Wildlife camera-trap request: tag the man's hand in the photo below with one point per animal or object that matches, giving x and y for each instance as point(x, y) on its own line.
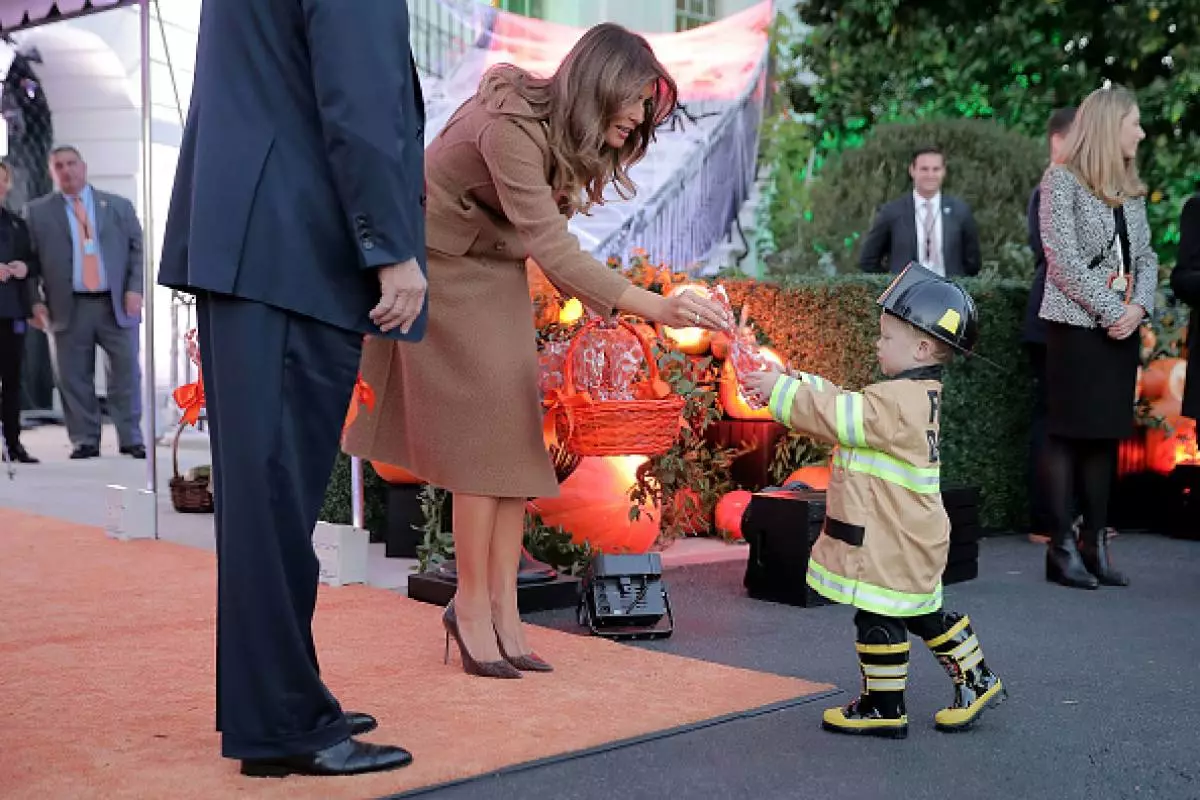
point(5, 273)
point(18, 269)
point(133, 304)
point(402, 293)
point(41, 317)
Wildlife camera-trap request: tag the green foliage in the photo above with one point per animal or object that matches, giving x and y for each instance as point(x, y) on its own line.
point(786, 148)
point(829, 327)
point(992, 169)
point(437, 540)
point(336, 505)
point(555, 547)
point(1012, 61)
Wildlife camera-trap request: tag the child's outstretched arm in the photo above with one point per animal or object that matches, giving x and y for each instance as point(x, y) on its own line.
point(812, 405)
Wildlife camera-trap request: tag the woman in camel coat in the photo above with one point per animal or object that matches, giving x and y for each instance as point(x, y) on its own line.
point(461, 408)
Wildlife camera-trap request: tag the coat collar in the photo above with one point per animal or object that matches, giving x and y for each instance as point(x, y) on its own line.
point(931, 373)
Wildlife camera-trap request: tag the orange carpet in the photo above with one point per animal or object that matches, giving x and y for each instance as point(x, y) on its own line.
point(106, 662)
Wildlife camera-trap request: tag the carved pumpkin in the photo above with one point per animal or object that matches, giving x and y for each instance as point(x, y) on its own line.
point(729, 512)
point(815, 476)
point(693, 341)
point(593, 506)
point(1165, 448)
point(394, 474)
point(1164, 377)
point(732, 399)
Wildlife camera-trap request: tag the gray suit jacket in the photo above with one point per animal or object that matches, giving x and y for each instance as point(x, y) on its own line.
point(120, 235)
point(894, 234)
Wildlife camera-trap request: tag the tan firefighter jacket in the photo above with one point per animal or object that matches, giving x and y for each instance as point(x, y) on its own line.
point(886, 534)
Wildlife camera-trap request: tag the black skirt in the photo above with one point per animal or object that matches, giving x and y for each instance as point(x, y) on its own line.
point(1090, 382)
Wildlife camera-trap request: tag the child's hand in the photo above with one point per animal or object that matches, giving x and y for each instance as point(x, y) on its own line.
point(759, 385)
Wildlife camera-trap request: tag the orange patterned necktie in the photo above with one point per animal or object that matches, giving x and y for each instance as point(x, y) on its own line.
point(91, 259)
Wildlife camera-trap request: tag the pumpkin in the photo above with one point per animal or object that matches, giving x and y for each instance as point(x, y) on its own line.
point(1175, 444)
point(1166, 407)
point(593, 506)
point(1149, 340)
point(1164, 377)
point(393, 474)
point(719, 344)
point(729, 512)
point(732, 399)
point(571, 312)
point(816, 476)
point(693, 341)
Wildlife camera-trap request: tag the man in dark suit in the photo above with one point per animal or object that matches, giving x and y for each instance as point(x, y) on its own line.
point(89, 257)
point(1185, 283)
point(936, 231)
point(297, 221)
point(1033, 336)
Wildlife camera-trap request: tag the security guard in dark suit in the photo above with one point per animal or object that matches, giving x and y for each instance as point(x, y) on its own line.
point(297, 221)
point(16, 256)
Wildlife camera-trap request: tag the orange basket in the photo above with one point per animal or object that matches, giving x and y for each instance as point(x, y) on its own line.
point(589, 427)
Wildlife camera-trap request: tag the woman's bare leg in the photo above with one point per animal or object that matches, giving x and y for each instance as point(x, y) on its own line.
point(504, 560)
point(474, 521)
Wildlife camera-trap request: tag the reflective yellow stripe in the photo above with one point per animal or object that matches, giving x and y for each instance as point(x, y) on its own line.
point(961, 652)
point(782, 397)
point(885, 670)
point(972, 660)
point(890, 685)
point(869, 597)
point(882, 649)
point(920, 480)
point(937, 641)
point(849, 420)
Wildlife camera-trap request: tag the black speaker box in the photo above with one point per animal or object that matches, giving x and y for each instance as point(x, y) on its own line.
point(780, 527)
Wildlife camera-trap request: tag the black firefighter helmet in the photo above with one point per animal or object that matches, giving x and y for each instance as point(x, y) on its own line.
point(933, 304)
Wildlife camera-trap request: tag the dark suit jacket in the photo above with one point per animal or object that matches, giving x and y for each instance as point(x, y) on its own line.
point(894, 234)
point(16, 296)
point(1185, 282)
point(302, 164)
point(1034, 329)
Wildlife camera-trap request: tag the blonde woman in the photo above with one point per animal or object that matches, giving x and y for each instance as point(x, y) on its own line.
point(1101, 278)
point(461, 408)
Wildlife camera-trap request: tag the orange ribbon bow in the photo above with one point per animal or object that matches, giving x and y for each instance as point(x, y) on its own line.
point(190, 399)
point(363, 395)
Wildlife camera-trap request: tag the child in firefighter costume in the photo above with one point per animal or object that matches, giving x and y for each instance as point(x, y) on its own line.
point(886, 534)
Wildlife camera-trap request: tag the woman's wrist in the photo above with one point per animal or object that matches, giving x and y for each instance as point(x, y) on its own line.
point(643, 303)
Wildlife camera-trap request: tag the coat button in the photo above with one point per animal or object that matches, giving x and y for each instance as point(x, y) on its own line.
point(501, 246)
point(367, 241)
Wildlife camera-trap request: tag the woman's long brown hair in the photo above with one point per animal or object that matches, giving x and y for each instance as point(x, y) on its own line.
point(607, 69)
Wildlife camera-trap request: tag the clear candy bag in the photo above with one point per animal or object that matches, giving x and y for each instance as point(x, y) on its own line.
point(744, 353)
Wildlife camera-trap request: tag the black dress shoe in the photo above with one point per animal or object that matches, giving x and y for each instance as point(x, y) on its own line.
point(85, 451)
point(360, 723)
point(348, 757)
point(19, 454)
point(135, 450)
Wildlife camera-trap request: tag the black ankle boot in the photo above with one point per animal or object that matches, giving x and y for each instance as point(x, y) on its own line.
point(1093, 549)
point(1064, 564)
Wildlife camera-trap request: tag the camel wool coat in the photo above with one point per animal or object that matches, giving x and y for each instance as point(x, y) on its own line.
point(461, 409)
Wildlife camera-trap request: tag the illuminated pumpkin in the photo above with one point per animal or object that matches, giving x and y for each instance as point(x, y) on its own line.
point(815, 476)
point(1165, 448)
point(693, 341)
point(593, 506)
point(687, 512)
point(729, 512)
point(393, 474)
point(1164, 377)
point(1166, 407)
point(571, 312)
point(732, 399)
point(720, 345)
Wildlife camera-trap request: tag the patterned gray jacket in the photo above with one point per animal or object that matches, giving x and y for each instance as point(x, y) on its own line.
point(1076, 227)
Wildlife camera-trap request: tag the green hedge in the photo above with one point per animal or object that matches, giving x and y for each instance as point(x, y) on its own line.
point(829, 326)
point(991, 168)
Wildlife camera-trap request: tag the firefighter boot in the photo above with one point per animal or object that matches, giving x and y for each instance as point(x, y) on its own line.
point(975, 686)
point(879, 710)
point(1093, 548)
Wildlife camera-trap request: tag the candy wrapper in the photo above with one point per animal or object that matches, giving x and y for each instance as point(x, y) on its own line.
point(744, 352)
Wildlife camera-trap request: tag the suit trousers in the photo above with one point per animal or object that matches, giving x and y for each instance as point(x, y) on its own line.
point(93, 323)
point(277, 387)
point(12, 348)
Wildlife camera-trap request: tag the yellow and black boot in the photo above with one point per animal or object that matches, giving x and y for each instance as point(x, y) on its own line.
point(879, 710)
point(975, 686)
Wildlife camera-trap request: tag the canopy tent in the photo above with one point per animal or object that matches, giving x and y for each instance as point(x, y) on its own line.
point(16, 15)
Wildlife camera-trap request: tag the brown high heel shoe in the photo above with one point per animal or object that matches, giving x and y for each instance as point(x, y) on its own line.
point(484, 669)
point(530, 662)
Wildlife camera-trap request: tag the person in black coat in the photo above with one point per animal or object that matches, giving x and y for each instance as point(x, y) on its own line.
point(1185, 283)
point(297, 220)
point(16, 258)
point(1033, 337)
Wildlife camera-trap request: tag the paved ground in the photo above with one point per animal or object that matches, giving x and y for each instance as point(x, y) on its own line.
point(1103, 695)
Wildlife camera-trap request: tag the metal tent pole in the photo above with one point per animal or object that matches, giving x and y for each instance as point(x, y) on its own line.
point(149, 402)
point(357, 504)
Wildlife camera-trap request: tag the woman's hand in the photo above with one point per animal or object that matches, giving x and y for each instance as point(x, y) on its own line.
point(1124, 327)
point(692, 310)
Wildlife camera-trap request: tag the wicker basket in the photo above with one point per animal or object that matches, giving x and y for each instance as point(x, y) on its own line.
point(589, 427)
point(188, 496)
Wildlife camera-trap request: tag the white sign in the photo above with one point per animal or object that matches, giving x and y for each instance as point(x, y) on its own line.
point(341, 552)
point(130, 513)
